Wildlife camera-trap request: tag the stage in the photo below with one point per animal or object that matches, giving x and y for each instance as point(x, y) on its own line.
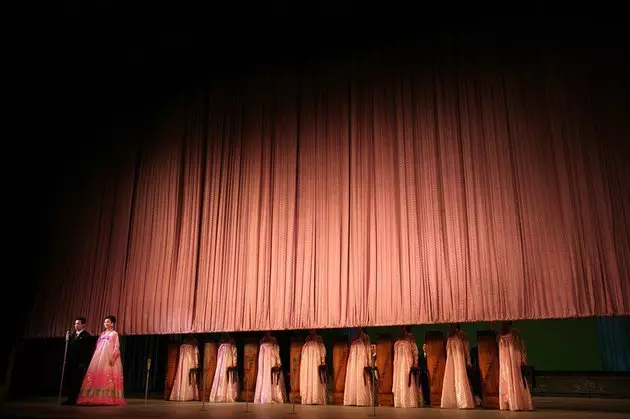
point(547, 407)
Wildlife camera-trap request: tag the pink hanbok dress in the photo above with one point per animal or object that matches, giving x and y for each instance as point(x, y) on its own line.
point(514, 392)
point(269, 389)
point(358, 390)
point(456, 390)
point(185, 385)
point(405, 387)
point(103, 383)
point(224, 389)
point(312, 390)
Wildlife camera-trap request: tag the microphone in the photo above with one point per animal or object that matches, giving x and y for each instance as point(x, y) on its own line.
point(146, 385)
point(67, 335)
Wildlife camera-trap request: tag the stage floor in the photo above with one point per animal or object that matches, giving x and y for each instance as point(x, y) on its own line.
point(547, 407)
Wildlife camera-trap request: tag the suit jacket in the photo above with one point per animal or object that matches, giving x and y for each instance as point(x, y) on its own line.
point(80, 348)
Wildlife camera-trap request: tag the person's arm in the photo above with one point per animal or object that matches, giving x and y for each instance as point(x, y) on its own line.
point(414, 351)
point(467, 350)
point(523, 348)
point(116, 352)
point(276, 352)
point(234, 356)
point(322, 352)
point(87, 348)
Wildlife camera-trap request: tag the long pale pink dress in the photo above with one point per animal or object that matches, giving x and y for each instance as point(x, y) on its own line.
point(103, 383)
point(456, 391)
point(312, 390)
point(406, 393)
point(266, 390)
point(223, 389)
point(185, 385)
point(358, 391)
point(513, 391)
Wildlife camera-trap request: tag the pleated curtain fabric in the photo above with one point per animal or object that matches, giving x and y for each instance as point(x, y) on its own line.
point(375, 191)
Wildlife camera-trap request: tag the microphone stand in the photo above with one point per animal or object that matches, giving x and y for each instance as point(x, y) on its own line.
point(292, 412)
point(326, 390)
point(374, 394)
point(146, 386)
point(63, 368)
point(203, 391)
point(323, 362)
point(247, 392)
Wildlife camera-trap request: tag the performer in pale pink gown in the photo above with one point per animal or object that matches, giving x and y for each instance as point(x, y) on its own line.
point(185, 385)
point(456, 390)
point(406, 373)
point(269, 381)
point(312, 387)
point(103, 381)
point(225, 384)
point(358, 391)
point(514, 391)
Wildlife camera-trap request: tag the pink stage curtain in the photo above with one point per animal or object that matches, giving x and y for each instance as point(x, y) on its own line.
point(381, 192)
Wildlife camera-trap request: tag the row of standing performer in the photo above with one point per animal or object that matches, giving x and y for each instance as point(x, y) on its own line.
point(98, 379)
point(457, 393)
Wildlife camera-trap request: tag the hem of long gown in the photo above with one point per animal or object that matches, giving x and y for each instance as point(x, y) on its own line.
point(525, 409)
point(101, 402)
point(215, 400)
point(307, 399)
point(508, 408)
point(401, 402)
point(457, 408)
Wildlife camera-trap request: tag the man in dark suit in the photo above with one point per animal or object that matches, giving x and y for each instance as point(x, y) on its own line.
point(80, 348)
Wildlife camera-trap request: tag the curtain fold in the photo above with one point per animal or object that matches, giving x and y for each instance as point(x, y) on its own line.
point(380, 190)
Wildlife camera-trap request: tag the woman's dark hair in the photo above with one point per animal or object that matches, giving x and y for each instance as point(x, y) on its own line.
point(111, 318)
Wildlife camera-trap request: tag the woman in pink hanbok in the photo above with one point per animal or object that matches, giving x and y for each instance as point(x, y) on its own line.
point(185, 385)
point(269, 381)
point(406, 373)
point(514, 391)
point(456, 390)
point(225, 383)
point(358, 391)
point(103, 381)
point(312, 386)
